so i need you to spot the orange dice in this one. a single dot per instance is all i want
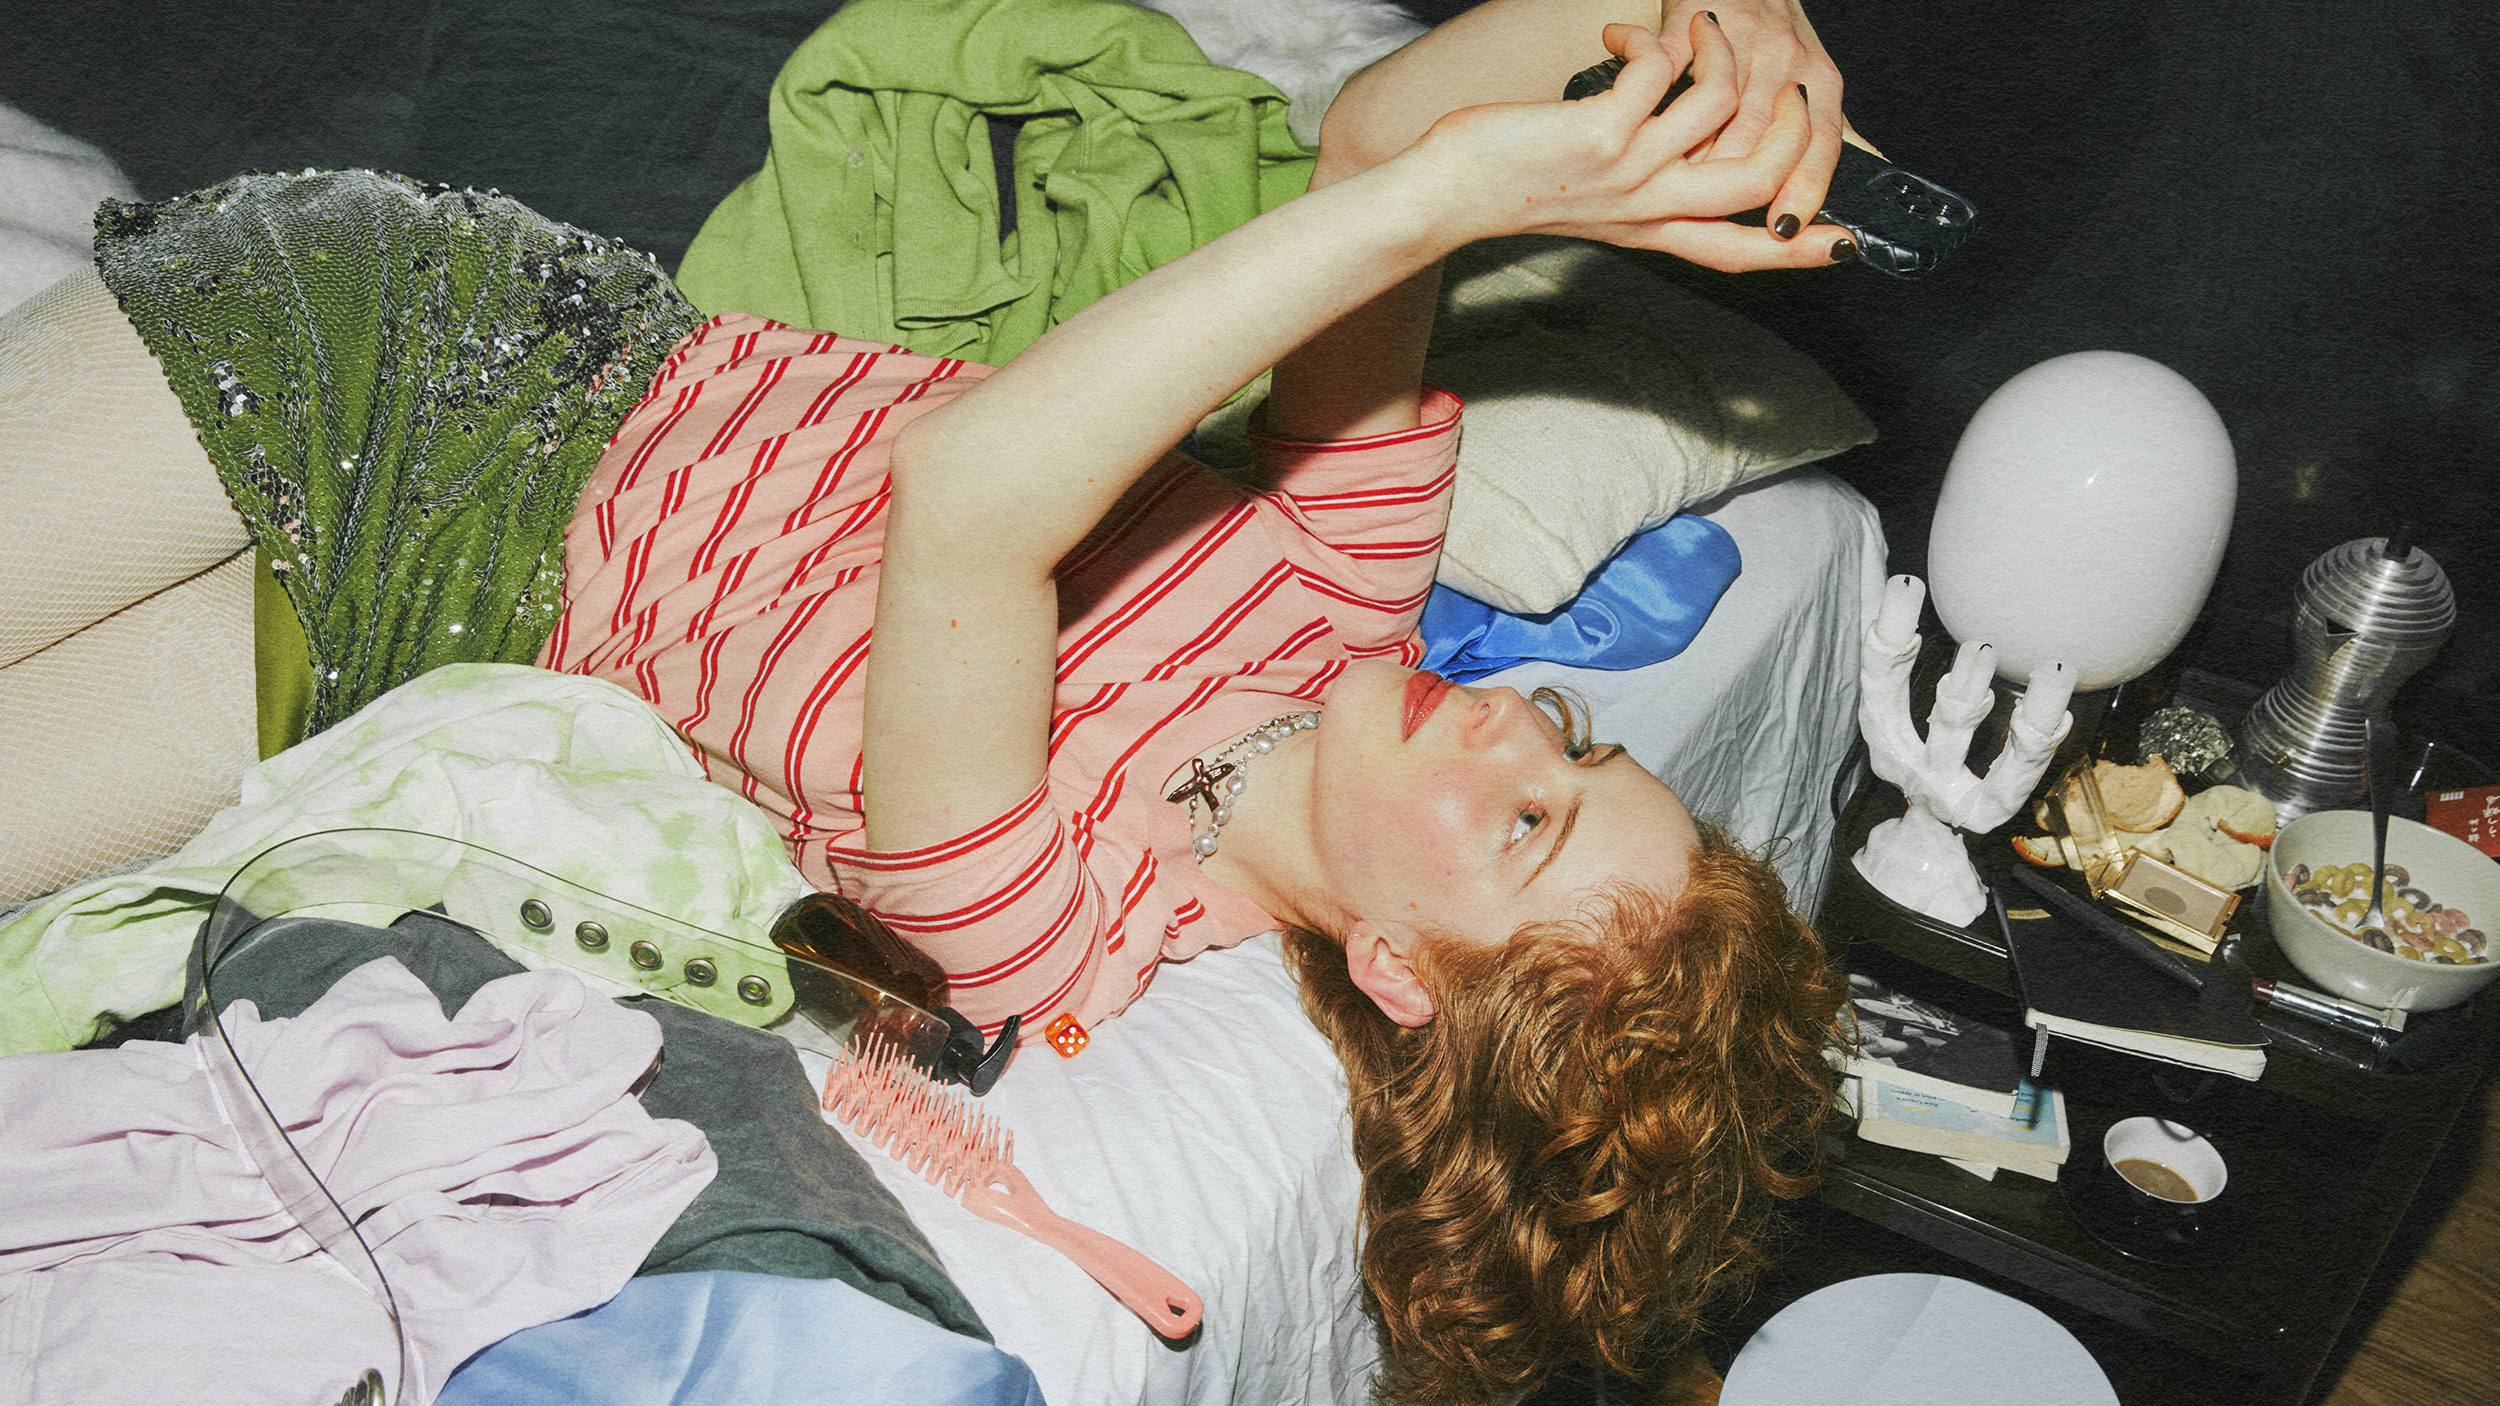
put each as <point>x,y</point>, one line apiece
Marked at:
<point>1065,1036</point>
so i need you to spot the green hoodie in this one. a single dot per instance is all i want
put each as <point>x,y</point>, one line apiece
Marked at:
<point>877,216</point>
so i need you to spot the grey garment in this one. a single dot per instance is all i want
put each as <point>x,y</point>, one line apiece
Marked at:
<point>403,389</point>
<point>790,1198</point>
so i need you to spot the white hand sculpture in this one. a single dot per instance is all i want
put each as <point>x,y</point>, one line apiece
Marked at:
<point>1918,860</point>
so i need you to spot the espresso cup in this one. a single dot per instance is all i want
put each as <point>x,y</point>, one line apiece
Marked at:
<point>2164,1165</point>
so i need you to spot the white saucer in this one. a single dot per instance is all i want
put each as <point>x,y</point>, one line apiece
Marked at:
<point>1913,1340</point>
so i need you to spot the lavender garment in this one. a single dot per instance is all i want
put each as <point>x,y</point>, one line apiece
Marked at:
<point>496,1162</point>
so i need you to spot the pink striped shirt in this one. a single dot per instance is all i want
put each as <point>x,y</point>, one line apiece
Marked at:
<point>723,564</point>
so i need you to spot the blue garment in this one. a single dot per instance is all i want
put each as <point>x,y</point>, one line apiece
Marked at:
<point>755,1339</point>
<point>1645,604</point>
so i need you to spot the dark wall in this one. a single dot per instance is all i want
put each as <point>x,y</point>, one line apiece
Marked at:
<point>2289,204</point>
<point>631,118</point>
<point>2296,205</point>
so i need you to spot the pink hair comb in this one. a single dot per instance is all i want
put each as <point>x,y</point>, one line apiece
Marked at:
<point>967,1155</point>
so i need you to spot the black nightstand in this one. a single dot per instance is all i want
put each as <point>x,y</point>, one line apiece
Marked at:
<point>2324,1157</point>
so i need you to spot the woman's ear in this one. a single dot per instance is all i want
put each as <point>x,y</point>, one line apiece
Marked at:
<point>1377,956</point>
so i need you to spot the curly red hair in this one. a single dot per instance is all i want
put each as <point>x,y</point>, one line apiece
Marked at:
<point>1579,1153</point>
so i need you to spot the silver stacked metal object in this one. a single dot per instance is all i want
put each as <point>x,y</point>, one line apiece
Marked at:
<point>2367,616</point>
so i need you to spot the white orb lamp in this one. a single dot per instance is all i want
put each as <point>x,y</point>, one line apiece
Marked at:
<point>2083,518</point>
<point>2078,531</point>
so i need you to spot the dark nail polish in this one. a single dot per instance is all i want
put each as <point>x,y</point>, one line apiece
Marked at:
<point>1803,96</point>
<point>1843,250</point>
<point>1785,227</point>
<point>1710,15</point>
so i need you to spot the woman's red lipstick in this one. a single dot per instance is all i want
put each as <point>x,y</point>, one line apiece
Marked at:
<point>1424,692</point>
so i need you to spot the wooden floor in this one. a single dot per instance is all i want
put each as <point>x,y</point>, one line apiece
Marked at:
<point>2427,1330</point>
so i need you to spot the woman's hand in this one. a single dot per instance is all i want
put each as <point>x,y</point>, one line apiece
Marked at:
<point>1604,168</point>
<point>1524,51</point>
<point>1776,48</point>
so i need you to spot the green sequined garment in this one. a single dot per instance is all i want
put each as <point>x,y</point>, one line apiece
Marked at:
<point>403,388</point>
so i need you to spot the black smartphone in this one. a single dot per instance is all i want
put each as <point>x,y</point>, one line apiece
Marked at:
<point>1904,225</point>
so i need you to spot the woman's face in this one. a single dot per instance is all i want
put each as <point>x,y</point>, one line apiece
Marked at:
<point>1455,808</point>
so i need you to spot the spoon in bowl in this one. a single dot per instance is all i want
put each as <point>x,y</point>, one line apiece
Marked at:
<point>2380,730</point>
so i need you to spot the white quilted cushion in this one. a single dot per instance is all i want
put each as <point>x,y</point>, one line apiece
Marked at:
<point>1601,400</point>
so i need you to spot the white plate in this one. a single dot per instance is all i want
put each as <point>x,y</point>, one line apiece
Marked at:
<point>1913,1340</point>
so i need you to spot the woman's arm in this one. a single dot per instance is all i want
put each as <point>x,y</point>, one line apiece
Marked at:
<point>991,490</point>
<point>1525,50</point>
<point>1360,375</point>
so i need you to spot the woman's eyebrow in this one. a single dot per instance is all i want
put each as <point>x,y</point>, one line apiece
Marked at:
<point>1562,836</point>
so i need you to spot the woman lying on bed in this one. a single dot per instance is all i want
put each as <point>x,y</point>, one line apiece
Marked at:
<point>1113,711</point>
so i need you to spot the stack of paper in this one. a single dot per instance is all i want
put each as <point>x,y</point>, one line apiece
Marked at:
<point>2033,1141</point>
<point>1921,1077</point>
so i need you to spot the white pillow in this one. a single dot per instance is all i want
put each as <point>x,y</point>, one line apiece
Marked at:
<point>49,185</point>
<point>1601,400</point>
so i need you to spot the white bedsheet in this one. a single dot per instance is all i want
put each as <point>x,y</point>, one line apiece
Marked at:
<point>1207,1125</point>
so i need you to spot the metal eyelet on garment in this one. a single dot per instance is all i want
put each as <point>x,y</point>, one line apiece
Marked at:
<point>645,956</point>
<point>755,991</point>
<point>535,914</point>
<point>591,936</point>
<point>701,972</point>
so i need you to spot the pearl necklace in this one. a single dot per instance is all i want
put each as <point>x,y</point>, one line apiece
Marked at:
<point>1221,785</point>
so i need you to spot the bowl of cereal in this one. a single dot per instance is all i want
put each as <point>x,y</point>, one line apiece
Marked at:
<point>2443,896</point>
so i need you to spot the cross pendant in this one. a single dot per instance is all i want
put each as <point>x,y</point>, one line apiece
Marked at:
<point>1201,782</point>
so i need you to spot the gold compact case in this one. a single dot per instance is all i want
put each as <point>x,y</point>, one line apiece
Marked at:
<point>2173,898</point>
